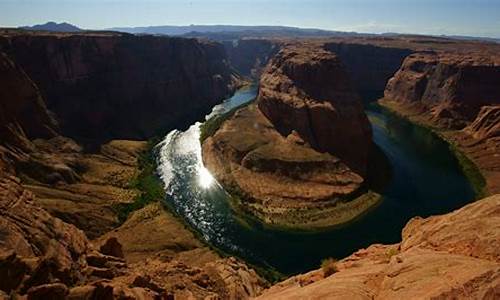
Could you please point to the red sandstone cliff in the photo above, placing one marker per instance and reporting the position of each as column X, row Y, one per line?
column 296, row 158
column 450, row 87
column 250, row 56
column 458, row 94
column 307, row 90
column 104, row 86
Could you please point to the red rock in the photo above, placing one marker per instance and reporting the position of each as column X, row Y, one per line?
column 452, row 256
column 55, row 291
column 112, row 247
column 95, row 81
column 450, row 87
column 307, row 90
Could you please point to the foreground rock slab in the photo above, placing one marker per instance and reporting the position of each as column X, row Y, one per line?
column 453, row 256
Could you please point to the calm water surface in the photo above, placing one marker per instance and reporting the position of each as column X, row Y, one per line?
column 426, row 180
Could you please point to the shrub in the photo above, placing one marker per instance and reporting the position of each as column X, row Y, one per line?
column 329, row 266
column 147, row 183
column 391, row 252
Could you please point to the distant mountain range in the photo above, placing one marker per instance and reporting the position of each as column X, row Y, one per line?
column 231, row 32
column 53, row 26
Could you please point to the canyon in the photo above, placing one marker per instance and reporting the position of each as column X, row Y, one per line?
column 77, row 108
column 61, row 187
column 295, row 156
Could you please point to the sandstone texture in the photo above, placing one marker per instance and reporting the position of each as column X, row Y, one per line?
column 458, row 95
column 297, row 158
column 453, row 256
column 57, row 193
column 103, row 81
column 451, row 88
column 307, row 90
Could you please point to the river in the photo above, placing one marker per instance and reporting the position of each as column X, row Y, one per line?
column 426, row 180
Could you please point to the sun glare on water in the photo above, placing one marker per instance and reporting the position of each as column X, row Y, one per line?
column 205, row 179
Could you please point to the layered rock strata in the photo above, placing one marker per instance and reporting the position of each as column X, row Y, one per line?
column 450, row 88
column 96, row 83
column 458, row 95
column 54, row 194
column 453, row 256
column 296, row 158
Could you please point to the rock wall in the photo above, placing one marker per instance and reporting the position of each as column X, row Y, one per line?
column 453, row 256
column 369, row 66
column 307, row 90
column 451, row 88
column 23, row 115
column 104, row 86
column 250, row 56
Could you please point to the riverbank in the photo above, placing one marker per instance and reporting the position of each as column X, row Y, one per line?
column 484, row 180
column 298, row 189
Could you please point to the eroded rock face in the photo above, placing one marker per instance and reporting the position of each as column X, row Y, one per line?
column 102, row 81
column 442, row 257
column 23, row 115
column 307, row 90
column 250, row 56
column 369, row 66
column 487, row 123
column 297, row 158
column 452, row 88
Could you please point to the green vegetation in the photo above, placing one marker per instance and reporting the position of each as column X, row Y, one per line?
column 391, row 252
column 329, row 266
column 146, row 182
column 472, row 172
column 469, row 168
column 209, row 128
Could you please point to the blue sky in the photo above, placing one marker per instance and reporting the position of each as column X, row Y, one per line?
column 473, row 17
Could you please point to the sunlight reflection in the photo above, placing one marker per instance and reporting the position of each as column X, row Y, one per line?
column 205, row 179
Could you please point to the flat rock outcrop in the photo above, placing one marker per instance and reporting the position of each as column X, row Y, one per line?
column 453, row 256
column 298, row 156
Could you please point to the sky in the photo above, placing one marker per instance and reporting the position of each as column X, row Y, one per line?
column 451, row 17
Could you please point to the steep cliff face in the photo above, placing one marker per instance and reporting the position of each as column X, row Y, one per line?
column 297, row 157
column 68, row 195
column 453, row 256
column 22, row 105
column 250, row 56
column 307, row 90
column 451, row 88
column 369, row 66
column 23, row 115
column 458, row 94
column 103, row 86
column 487, row 123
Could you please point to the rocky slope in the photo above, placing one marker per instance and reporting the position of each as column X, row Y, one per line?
column 54, row 194
column 297, row 156
column 93, row 81
column 458, row 95
column 453, row 256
